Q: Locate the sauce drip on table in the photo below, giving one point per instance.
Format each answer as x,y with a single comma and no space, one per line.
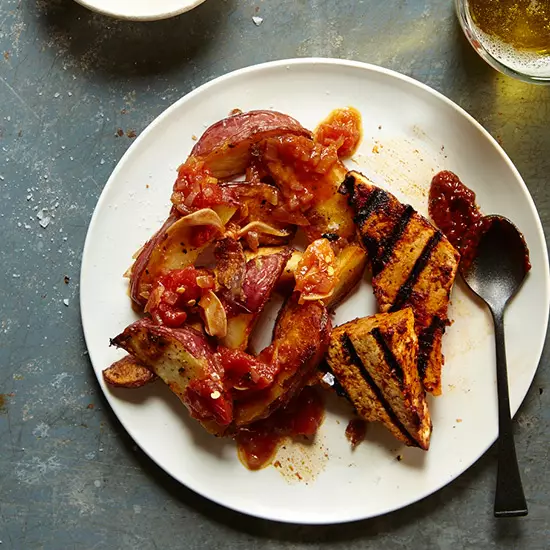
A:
258,443
453,208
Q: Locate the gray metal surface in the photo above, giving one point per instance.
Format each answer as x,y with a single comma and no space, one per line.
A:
70,477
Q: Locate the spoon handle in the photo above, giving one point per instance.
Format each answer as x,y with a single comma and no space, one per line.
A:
509,497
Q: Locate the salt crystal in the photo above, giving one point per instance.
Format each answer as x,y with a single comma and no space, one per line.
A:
29,196
41,214
69,94
18,224
257,20
16,275
102,161
66,302
1,178
45,176
71,158
63,147
328,379
56,205
57,94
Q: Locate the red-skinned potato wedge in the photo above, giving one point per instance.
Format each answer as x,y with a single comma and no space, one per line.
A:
230,266
286,281
261,276
225,147
128,372
301,338
185,360
171,248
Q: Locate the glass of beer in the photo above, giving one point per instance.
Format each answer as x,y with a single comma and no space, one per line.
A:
513,36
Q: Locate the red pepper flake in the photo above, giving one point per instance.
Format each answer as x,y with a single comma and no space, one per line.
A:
123,111
119,132
131,134
90,406
6,55
66,279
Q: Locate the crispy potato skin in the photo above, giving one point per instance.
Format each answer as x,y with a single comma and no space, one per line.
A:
128,372
177,356
225,147
259,281
301,338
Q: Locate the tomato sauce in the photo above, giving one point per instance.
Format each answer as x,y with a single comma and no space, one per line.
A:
177,292
356,431
453,208
342,129
301,168
258,443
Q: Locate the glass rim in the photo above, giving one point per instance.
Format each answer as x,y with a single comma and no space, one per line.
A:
461,10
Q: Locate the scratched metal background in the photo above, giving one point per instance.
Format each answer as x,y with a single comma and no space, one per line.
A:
69,475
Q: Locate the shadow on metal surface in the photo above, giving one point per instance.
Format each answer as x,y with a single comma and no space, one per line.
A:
125,49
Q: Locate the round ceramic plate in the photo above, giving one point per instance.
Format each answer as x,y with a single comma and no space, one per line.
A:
141,10
410,132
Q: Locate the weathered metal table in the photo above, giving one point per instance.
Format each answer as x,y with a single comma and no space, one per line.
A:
70,477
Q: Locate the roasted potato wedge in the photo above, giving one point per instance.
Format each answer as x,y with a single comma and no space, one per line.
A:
301,338
225,147
261,276
349,269
332,215
181,358
128,372
286,281
170,249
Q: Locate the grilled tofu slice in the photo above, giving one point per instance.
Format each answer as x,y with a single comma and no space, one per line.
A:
374,359
413,265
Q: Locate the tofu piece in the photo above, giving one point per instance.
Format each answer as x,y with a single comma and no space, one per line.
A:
413,265
375,361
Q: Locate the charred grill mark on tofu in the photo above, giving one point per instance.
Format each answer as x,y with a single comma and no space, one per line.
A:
389,357
356,361
406,288
425,343
393,240
376,200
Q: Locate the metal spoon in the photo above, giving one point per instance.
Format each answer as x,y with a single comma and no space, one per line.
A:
495,275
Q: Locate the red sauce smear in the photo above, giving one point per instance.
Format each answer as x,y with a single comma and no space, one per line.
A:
341,128
258,443
356,431
453,208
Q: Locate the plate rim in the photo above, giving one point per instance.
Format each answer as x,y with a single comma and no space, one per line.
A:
188,6
309,61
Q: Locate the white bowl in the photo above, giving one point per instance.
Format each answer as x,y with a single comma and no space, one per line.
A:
140,10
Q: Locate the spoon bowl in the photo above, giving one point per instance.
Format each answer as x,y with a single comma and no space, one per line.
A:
500,264
496,273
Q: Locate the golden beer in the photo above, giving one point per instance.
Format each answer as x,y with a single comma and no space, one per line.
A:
515,33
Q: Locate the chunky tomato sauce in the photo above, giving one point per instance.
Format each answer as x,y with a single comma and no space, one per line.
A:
302,416
342,129
176,292
453,208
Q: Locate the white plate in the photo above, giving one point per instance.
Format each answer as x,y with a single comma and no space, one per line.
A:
410,131
140,10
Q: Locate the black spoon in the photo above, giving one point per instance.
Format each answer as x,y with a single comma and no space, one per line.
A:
496,273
